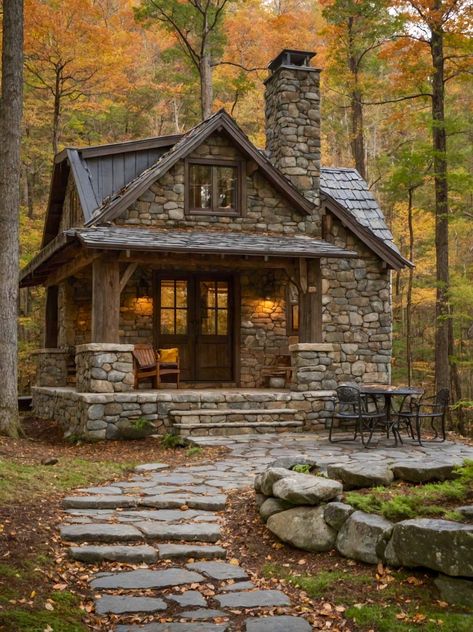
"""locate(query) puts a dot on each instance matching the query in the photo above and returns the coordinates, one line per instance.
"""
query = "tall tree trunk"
(56, 113)
(206, 91)
(356, 108)
(439, 140)
(10, 169)
(409, 289)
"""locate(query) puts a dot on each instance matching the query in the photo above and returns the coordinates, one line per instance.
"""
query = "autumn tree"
(444, 29)
(196, 24)
(62, 64)
(10, 123)
(356, 30)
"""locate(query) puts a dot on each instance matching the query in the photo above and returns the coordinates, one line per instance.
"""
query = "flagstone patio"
(164, 517)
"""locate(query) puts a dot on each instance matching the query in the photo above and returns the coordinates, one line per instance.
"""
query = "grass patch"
(27, 607)
(19, 482)
(395, 618)
(400, 502)
(316, 585)
(195, 450)
(172, 441)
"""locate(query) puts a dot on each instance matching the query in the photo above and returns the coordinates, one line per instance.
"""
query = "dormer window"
(213, 187)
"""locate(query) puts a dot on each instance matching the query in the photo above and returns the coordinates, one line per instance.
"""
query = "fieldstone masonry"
(51, 366)
(104, 368)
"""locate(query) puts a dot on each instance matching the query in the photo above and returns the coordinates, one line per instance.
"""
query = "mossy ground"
(401, 501)
(385, 601)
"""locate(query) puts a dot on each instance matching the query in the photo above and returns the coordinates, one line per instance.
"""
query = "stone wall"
(99, 416)
(357, 311)
(104, 368)
(263, 323)
(266, 209)
(293, 128)
(51, 366)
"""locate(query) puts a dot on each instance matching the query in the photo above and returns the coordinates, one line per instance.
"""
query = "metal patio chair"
(352, 410)
(432, 408)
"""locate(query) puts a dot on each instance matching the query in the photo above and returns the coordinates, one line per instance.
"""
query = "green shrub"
(172, 441)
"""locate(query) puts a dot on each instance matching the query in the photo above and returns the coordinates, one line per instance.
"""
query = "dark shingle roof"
(348, 188)
(206, 242)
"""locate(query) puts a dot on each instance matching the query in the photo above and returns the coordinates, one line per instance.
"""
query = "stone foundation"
(98, 416)
(104, 368)
(51, 366)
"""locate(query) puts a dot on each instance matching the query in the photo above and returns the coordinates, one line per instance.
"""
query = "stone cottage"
(248, 261)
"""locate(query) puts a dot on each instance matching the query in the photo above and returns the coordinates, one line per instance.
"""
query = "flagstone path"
(167, 523)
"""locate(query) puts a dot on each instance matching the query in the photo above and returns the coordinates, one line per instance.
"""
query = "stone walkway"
(162, 518)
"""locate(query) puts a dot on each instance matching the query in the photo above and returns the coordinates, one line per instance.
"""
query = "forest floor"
(41, 590)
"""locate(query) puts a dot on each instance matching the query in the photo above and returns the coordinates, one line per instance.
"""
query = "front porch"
(188, 412)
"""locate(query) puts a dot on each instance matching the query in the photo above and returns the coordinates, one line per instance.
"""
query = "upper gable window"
(213, 187)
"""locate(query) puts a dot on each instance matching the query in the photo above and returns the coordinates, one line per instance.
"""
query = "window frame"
(215, 210)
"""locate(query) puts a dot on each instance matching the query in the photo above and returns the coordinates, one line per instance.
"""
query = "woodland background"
(100, 71)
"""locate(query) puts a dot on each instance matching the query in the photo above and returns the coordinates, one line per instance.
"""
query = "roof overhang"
(106, 238)
(392, 258)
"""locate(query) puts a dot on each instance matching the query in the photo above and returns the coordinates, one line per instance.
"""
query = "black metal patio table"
(388, 392)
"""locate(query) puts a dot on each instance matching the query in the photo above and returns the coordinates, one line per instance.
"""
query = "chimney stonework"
(292, 108)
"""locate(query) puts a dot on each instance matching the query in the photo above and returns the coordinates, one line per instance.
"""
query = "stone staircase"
(229, 421)
(169, 525)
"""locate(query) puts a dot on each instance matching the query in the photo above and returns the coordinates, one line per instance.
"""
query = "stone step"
(114, 553)
(158, 501)
(196, 551)
(148, 529)
(211, 412)
(230, 428)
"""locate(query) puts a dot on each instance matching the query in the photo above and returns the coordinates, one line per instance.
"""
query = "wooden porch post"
(310, 329)
(51, 318)
(105, 300)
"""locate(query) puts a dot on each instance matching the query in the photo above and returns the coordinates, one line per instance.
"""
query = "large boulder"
(441, 545)
(271, 476)
(273, 506)
(304, 528)
(306, 489)
(336, 514)
(355, 475)
(418, 472)
(363, 537)
(458, 592)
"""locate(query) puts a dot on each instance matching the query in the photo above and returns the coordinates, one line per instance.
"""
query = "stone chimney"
(293, 120)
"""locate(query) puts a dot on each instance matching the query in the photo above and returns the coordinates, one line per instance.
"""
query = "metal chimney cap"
(292, 58)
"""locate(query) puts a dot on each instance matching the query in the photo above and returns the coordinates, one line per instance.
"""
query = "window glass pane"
(167, 293)
(222, 293)
(181, 321)
(181, 293)
(208, 322)
(167, 321)
(200, 186)
(226, 187)
(222, 322)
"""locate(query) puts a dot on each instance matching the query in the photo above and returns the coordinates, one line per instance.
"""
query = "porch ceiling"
(208, 242)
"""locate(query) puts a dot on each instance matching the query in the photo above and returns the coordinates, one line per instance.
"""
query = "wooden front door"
(195, 314)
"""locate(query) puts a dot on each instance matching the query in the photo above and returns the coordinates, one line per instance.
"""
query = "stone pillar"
(51, 366)
(104, 368)
(293, 120)
(315, 366)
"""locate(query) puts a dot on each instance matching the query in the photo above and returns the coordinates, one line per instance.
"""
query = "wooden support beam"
(105, 300)
(51, 318)
(310, 329)
(73, 266)
(126, 276)
(162, 261)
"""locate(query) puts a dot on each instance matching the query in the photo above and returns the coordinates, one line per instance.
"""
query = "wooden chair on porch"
(146, 364)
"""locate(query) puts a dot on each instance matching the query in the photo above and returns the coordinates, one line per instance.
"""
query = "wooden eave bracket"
(126, 276)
